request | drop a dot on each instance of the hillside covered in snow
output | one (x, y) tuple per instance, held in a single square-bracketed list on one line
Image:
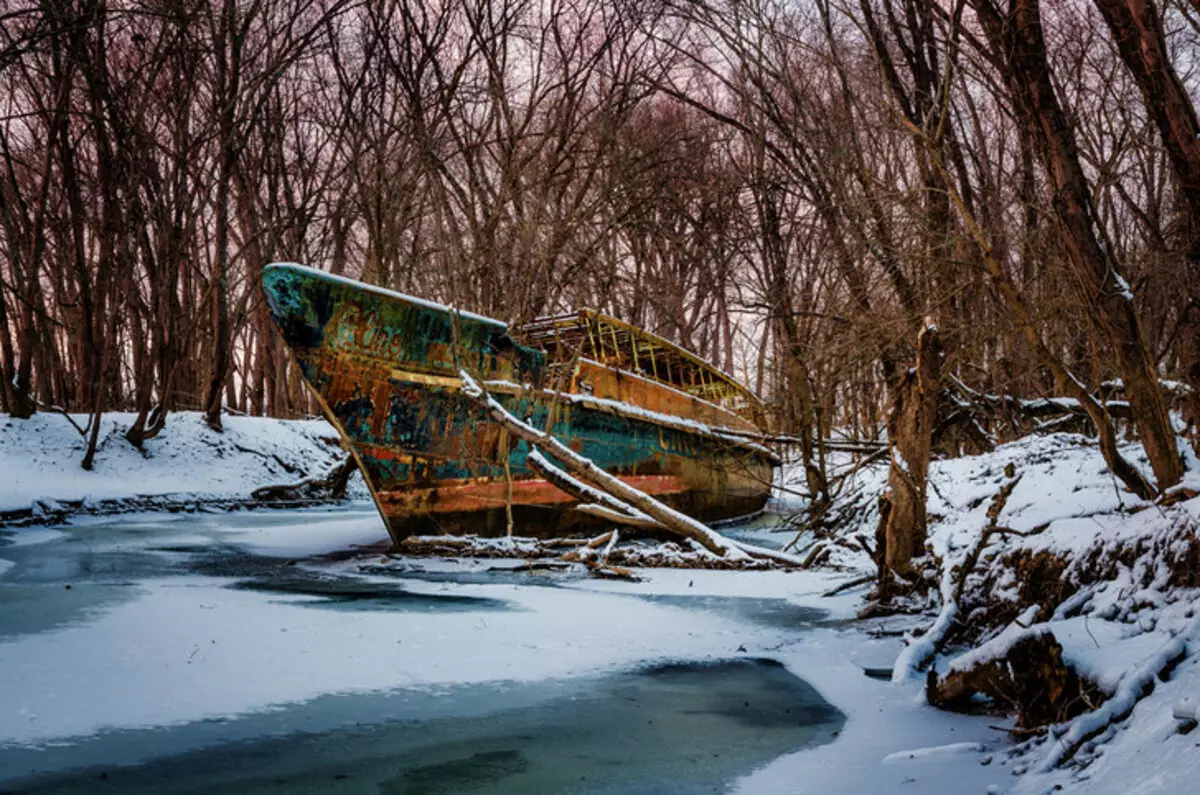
[(187, 465), (1052, 597)]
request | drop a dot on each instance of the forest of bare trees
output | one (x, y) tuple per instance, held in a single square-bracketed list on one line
[(922, 212)]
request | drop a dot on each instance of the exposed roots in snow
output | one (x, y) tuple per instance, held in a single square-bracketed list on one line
[(1128, 582), (1135, 685), (1052, 578), (331, 487), (1025, 673)]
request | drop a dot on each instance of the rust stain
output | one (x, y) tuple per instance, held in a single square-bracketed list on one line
[(384, 369), (450, 497)]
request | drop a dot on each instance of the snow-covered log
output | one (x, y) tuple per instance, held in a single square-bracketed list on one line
[(581, 491), (1135, 685), (917, 655), (604, 506), (587, 471), (331, 487)]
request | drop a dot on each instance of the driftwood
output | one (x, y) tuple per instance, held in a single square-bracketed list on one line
[(549, 554), (331, 487), (597, 564), (581, 478)]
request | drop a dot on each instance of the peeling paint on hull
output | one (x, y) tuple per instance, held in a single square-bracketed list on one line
[(384, 369)]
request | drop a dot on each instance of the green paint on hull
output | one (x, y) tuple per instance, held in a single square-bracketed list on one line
[(385, 366)]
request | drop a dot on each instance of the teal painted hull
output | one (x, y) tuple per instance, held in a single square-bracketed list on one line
[(384, 368)]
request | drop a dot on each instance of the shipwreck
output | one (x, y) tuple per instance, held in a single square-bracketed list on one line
[(387, 370)]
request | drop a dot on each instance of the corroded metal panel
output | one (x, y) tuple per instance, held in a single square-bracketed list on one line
[(384, 368)]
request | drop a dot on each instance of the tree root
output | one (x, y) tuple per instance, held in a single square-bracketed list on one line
[(1027, 674), (1134, 686), (331, 487)]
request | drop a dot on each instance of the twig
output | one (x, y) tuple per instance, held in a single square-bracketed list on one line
[(846, 586)]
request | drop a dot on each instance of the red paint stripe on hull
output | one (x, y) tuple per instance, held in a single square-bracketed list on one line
[(485, 494)]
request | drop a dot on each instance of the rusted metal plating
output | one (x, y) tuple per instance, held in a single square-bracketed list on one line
[(384, 368)]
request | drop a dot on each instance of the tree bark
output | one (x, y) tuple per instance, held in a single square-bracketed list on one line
[(910, 429), (227, 78), (1137, 28), (1017, 37)]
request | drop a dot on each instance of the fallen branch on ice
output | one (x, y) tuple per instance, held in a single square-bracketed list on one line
[(915, 657), (609, 508), (618, 517), (622, 498)]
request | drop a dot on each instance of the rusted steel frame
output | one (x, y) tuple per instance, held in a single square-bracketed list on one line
[(592, 339), (482, 493)]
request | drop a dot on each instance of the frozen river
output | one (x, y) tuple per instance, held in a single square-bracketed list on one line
[(190, 653)]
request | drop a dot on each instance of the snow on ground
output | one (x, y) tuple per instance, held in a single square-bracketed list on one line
[(197, 650), (890, 735), (1071, 507), (188, 647), (1147, 753), (39, 458)]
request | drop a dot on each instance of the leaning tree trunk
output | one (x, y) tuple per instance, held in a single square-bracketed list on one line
[(1017, 36), (910, 429), (1014, 303), (1137, 28)]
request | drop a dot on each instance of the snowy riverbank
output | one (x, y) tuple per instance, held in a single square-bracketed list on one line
[(202, 630), (197, 629), (187, 464), (1114, 579)]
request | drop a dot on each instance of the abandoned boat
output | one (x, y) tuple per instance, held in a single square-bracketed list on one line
[(384, 368)]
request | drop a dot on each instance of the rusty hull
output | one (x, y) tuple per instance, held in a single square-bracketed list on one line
[(384, 368)]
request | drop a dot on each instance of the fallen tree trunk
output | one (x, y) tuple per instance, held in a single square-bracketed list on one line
[(606, 506), (586, 494), (1024, 670), (618, 517), (609, 491), (586, 470)]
